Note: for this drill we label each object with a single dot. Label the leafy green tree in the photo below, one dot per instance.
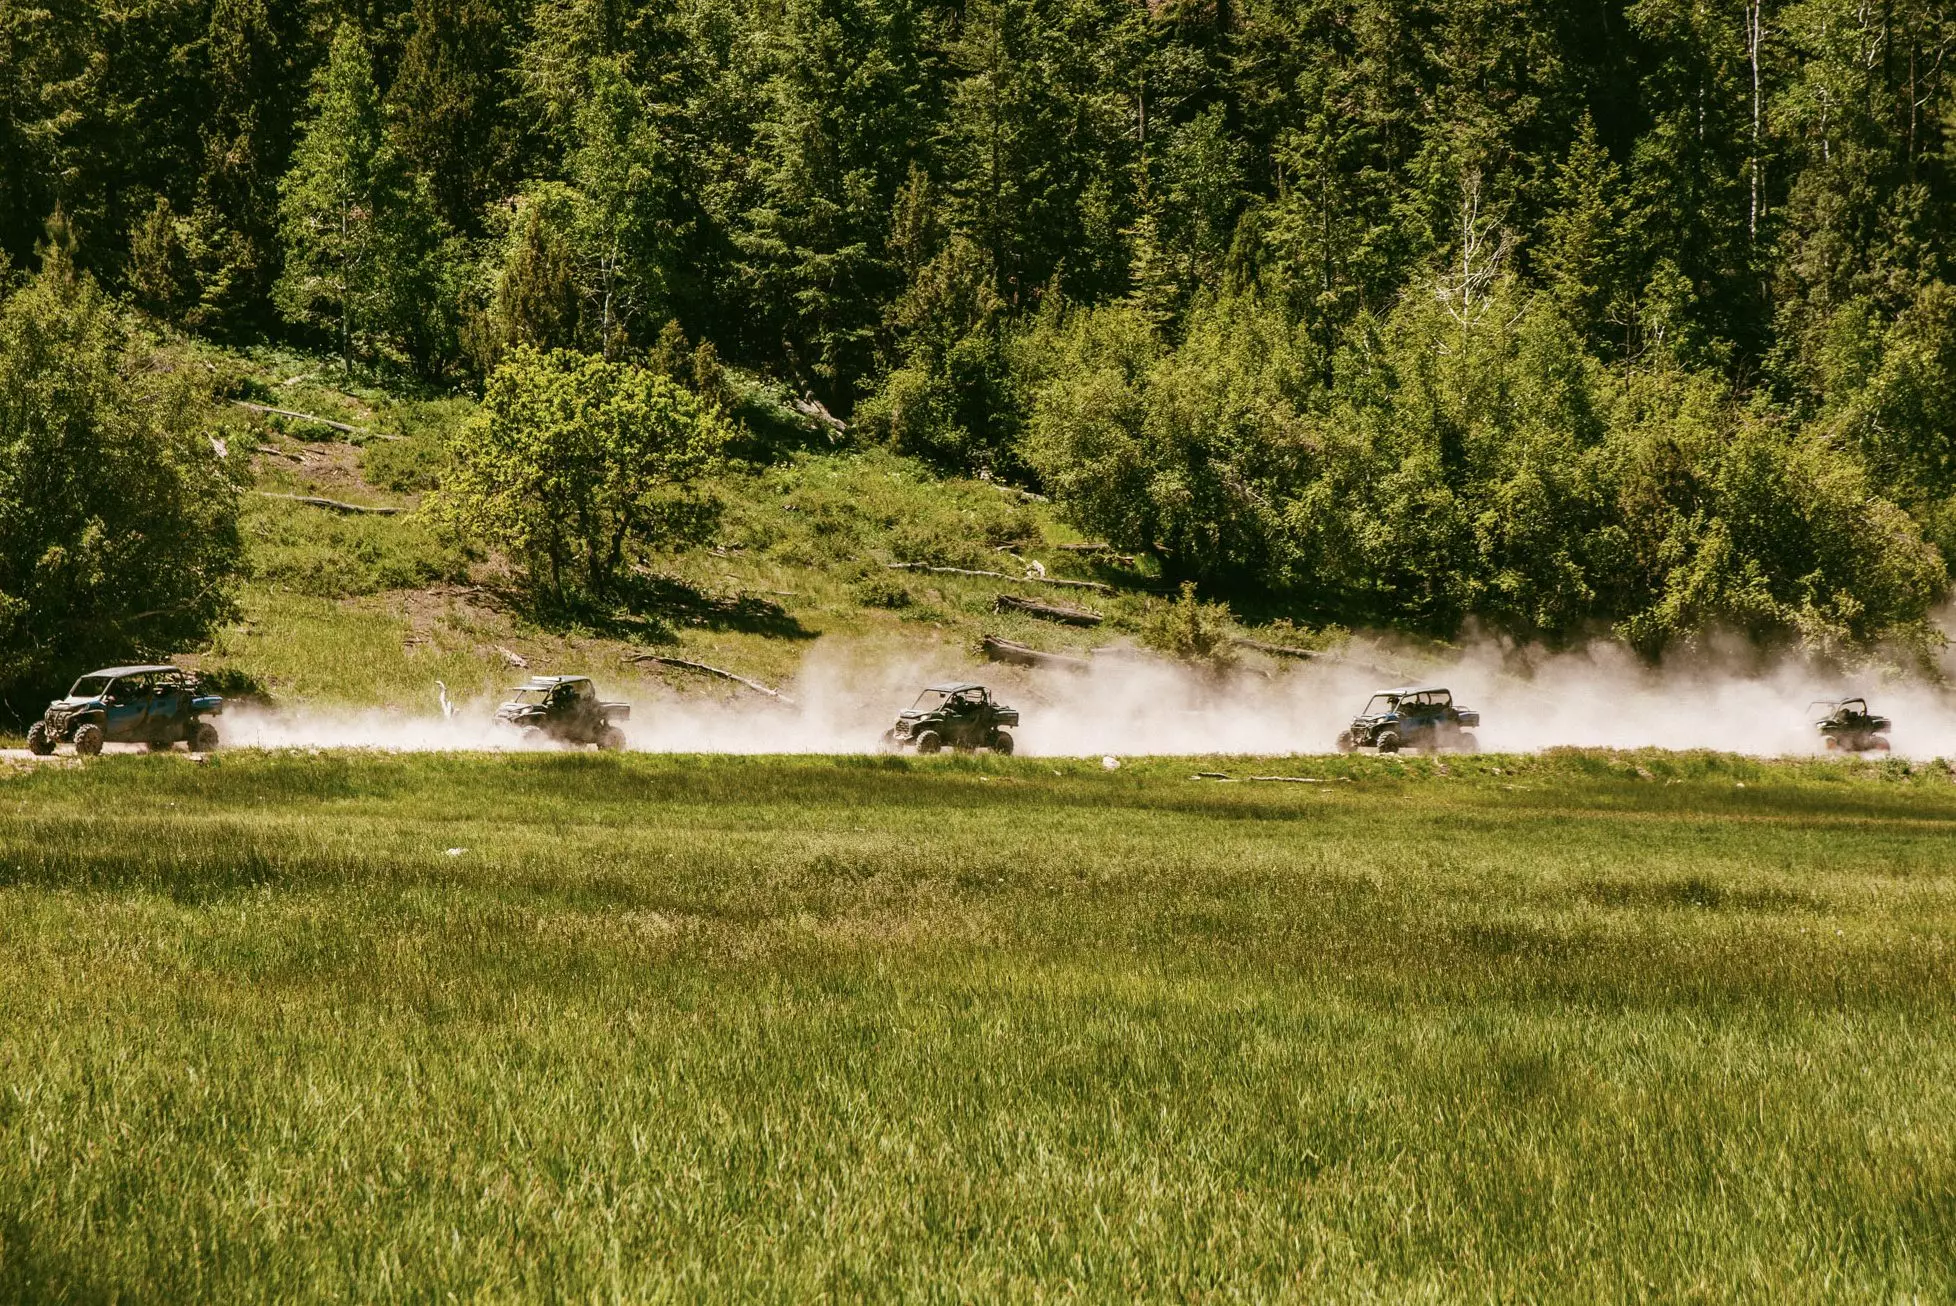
(118, 515)
(576, 466)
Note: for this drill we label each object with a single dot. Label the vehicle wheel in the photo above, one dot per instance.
(203, 738)
(39, 741)
(1833, 745)
(929, 741)
(1346, 744)
(1880, 745)
(1466, 743)
(1389, 741)
(612, 740)
(1002, 744)
(88, 740)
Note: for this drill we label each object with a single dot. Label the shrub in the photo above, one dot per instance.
(573, 465)
(1190, 629)
(880, 592)
(118, 514)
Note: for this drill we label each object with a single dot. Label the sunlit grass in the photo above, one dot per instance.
(670, 1027)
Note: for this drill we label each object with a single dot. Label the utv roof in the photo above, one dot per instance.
(128, 671)
(1404, 690)
(550, 682)
(951, 688)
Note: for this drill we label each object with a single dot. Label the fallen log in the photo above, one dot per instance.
(1045, 611)
(334, 505)
(269, 411)
(754, 685)
(1013, 653)
(266, 410)
(1107, 550)
(1094, 585)
(1276, 650)
(1311, 655)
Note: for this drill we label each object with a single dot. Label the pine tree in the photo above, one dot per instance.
(361, 240)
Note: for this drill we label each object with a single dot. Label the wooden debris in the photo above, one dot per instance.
(1275, 650)
(754, 685)
(1094, 585)
(277, 453)
(266, 410)
(1106, 550)
(815, 410)
(1209, 775)
(1287, 779)
(1045, 611)
(513, 658)
(1311, 655)
(334, 505)
(1016, 654)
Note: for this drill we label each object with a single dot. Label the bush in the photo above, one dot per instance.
(118, 514)
(573, 465)
(1190, 629)
(880, 592)
(1468, 460)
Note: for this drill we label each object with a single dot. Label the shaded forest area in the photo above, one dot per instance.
(1562, 317)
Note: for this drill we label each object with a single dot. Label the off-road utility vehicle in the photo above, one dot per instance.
(154, 705)
(953, 716)
(566, 709)
(1846, 725)
(1412, 717)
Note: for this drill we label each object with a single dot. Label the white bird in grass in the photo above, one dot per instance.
(447, 708)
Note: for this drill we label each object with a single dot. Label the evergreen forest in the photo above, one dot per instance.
(1560, 319)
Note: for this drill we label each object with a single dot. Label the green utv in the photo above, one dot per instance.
(154, 705)
(1413, 717)
(1847, 726)
(962, 717)
(566, 709)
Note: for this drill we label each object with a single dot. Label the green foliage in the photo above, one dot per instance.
(878, 591)
(1190, 629)
(575, 467)
(902, 209)
(118, 518)
(363, 245)
(1471, 458)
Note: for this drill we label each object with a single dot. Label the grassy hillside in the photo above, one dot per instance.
(373, 609)
(564, 1027)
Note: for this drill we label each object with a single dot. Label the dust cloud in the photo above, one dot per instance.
(843, 700)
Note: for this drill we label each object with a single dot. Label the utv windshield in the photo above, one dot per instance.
(532, 696)
(91, 687)
(1381, 704)
(928, 700)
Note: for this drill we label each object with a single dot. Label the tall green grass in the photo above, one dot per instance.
(1553, 1028)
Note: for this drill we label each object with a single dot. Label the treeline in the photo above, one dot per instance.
(1567, 316)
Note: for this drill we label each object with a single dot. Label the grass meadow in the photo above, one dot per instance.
(575, 1027)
